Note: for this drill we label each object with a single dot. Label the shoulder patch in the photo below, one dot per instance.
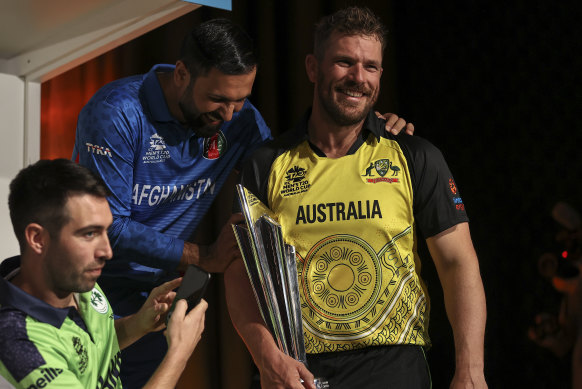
(98, 301)
(17, 352)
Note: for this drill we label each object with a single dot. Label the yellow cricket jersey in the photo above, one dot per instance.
(353, 222)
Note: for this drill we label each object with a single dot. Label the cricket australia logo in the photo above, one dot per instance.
(215, 146)
(98, 301)
(81, 353)
(295, 182)
(381, 167)
(157, 151)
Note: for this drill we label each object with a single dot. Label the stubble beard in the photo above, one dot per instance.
(193, 117)
(341, 112)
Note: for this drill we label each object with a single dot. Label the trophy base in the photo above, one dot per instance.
(321, 383)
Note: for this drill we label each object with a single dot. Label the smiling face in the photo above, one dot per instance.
(211, 100)
(75, 257)
(347, 77)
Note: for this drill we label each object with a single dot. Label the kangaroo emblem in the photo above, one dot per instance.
(369, 170)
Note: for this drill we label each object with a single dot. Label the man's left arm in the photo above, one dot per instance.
(458, 269)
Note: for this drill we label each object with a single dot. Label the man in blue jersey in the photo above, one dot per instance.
(56, 326)
(166, 143)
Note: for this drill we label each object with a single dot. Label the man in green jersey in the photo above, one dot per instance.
(56, 326)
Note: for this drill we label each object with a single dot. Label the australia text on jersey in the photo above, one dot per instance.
(339, 211)
(158, 194)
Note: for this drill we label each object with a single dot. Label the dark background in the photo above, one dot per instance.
(497, 87)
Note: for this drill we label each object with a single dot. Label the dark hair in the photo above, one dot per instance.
(39, 193)
(348, 21)
(219, 44)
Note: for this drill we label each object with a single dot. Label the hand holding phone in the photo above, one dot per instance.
(194, 283)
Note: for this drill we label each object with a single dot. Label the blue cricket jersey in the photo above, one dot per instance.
(163, 176)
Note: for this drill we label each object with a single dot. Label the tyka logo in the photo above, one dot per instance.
(381, 167)
(295, 181)
(157, 152)
(215, 146)
(98, 150)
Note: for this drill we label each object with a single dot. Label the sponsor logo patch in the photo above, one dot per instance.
(215, 146)
(98, 302)
(48, 376)
(295, 182)
(452, 186)
(157, 151)
(456, 199)
(98, 150)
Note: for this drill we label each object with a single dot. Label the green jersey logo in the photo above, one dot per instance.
(98, 301)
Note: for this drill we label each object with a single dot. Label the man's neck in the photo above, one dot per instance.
(332, 139)
(36, 286)
(170, 94)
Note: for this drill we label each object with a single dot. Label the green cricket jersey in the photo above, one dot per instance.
(46, 347)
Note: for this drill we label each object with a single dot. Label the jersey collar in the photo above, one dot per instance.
(12, 296)
(154, 96)
(372, 125)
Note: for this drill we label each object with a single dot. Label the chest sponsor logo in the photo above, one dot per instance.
(48, 376)
(153, 195)
(98, 150)
(81, 353)
(98, 301)
(295, 182)
(381, 168)
(215, 146)
(157, 152)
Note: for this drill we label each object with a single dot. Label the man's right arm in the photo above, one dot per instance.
(106, 142)
(107, 147)
(183, 334)
(277, 369)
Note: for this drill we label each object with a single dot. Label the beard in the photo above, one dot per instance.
(342, 112)
(198, 122)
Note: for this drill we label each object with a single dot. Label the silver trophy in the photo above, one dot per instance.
(270, 264)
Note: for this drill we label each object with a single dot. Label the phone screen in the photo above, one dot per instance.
(192, 289)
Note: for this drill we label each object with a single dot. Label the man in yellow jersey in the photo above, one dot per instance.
(354, 200)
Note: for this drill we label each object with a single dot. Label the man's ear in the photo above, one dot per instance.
(311, 67)
(181, 74)
(36, 237)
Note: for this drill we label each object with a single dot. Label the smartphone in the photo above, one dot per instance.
(194, 283)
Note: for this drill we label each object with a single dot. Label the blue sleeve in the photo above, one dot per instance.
(106, 142)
